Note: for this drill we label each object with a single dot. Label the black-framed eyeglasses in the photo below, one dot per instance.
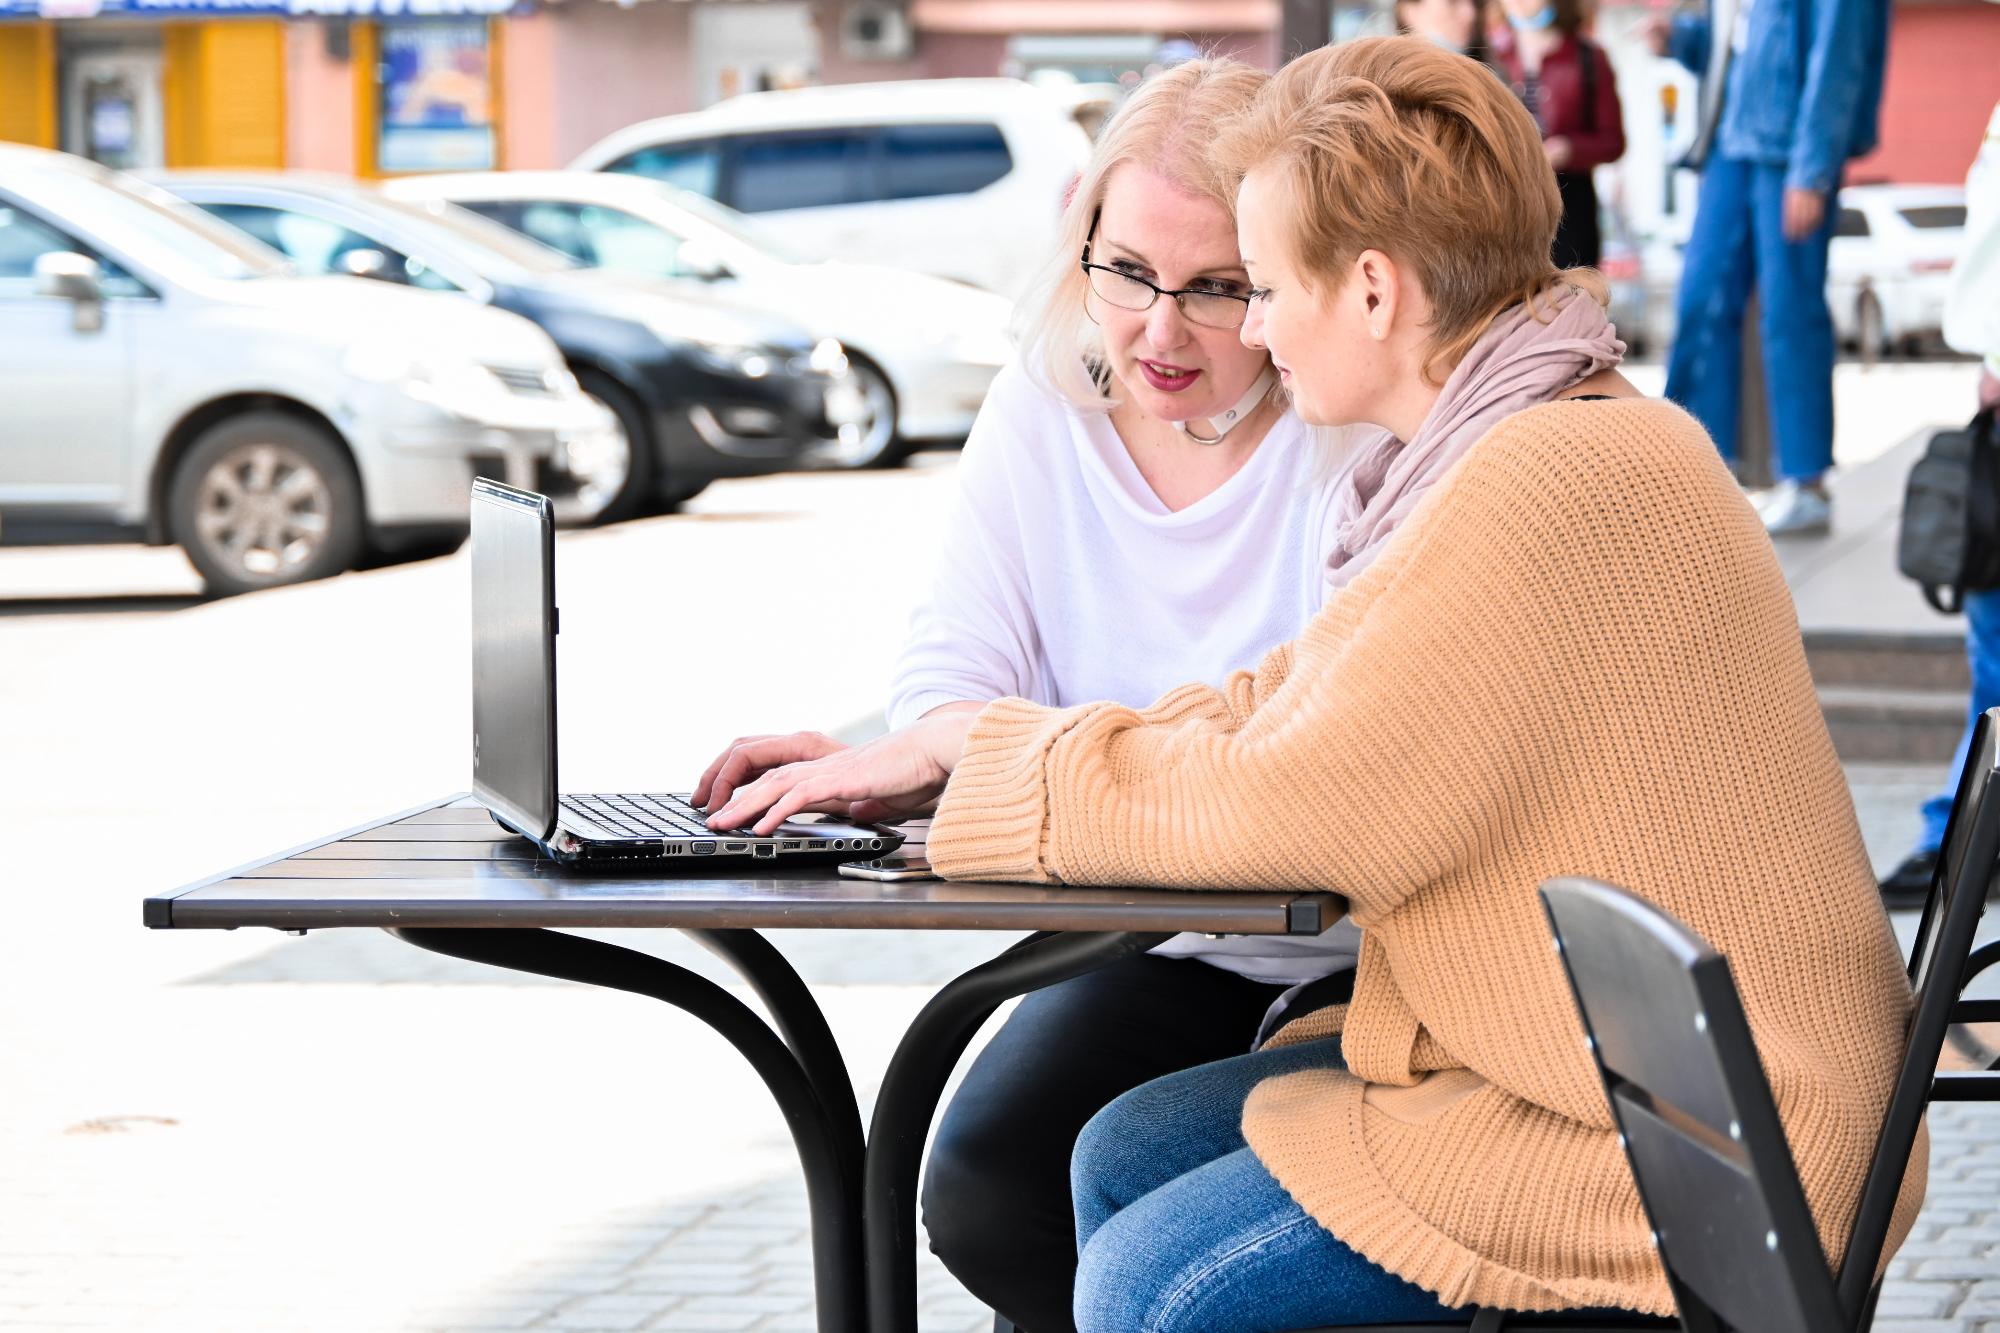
(1129, 291)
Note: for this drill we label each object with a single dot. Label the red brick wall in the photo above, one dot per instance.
(1940, 87)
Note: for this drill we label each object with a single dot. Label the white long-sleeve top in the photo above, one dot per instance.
(1063, 580)
(1972, 308)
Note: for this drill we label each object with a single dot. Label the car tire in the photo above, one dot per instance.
(618, 495)
(877, 443)
(1871, 328)
(263, 500)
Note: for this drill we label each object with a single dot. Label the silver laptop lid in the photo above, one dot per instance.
(514, 657)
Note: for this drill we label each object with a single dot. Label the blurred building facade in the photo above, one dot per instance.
(379, 87)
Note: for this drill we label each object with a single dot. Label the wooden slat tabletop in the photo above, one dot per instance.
(449, 864)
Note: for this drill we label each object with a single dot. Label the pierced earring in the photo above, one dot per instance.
(1376, 330)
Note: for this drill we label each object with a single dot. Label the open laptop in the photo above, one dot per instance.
(514, 723)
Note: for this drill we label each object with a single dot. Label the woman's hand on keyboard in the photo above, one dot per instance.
(750, 757)
(889, 778)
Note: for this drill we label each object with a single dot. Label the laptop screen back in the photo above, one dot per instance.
(514, 657)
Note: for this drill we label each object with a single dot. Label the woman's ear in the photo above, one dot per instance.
(1379, 287)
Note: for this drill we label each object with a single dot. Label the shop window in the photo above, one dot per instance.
(436, 111)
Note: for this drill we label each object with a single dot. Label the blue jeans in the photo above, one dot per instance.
(1982, 652)
(1738, 244)
(1181, 1229)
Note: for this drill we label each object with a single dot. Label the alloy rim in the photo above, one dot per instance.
(264, 512)
(600, 470)
(862, 442)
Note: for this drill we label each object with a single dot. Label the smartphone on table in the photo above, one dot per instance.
(892, 867)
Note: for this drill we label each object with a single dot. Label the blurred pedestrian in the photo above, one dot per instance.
(1971, 324)
(1456, 25)
(1566, 82)
(1790, 91)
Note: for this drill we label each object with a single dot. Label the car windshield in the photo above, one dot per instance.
(737, 227)
(484, 244)
(156, 230)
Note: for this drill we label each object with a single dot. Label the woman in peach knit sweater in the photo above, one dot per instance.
(1576, 655)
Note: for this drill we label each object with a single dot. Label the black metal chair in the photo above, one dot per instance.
(1695, 1112)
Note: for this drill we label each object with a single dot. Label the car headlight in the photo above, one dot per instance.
(828, 357)
(736, 359)
(454, 384)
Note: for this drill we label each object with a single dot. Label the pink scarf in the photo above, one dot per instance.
(1517, 363)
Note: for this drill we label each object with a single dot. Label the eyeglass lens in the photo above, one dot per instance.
(1129, 293)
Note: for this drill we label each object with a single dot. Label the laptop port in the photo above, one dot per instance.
(702, 848)
(874, 844)
(840, 844)
(798, 846)
(764, 851)
(735, 846)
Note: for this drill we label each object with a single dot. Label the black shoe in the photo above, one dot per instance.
(1910, 883)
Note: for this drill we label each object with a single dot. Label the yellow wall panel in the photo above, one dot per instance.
(225, 94)
(28, 83)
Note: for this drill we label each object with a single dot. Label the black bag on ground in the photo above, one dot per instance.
(1950, 539)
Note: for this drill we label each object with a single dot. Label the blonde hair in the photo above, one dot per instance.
(1166, 126)
(1395, 144)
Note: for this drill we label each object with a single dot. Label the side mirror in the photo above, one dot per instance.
(702, 262)
(68, 276)
(367, 264)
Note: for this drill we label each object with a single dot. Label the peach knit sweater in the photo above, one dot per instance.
(1577, 657)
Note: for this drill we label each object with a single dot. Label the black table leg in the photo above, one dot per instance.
(801, 1076)
(914, 1083)
(799, 1020)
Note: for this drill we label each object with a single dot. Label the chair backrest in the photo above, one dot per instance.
(1966, 866)
(1694, 1113)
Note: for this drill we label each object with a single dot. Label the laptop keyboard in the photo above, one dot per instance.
(643, 816)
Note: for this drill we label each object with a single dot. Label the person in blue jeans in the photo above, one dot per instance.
(1790, 92)
(1971, 324)
(1172, 1151)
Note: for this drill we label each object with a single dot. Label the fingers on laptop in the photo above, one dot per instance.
(750, 756)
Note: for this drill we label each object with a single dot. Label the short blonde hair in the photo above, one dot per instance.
(1395, 144)
(1166, 125)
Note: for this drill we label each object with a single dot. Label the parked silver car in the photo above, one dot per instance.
(168, 380)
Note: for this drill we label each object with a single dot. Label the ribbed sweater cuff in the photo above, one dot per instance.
(993, 821)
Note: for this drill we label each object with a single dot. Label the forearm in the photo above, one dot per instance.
(1832, 89)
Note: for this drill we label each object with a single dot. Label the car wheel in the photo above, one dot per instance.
(1871, 327)
(265, 499)
(614, 479)
(871, 441)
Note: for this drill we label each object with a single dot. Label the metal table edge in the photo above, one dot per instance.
(286, 914)
(159, 907)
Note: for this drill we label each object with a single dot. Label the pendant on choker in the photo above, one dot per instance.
(1224, 422)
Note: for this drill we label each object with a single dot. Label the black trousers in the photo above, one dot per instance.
(996, 1198)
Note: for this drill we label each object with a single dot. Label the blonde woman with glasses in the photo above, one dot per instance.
(1138, 506)
(1576, 655)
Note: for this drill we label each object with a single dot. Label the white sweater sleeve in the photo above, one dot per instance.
(974, 637)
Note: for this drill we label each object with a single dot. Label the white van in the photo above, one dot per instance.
(168, 379)
(963, 178)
